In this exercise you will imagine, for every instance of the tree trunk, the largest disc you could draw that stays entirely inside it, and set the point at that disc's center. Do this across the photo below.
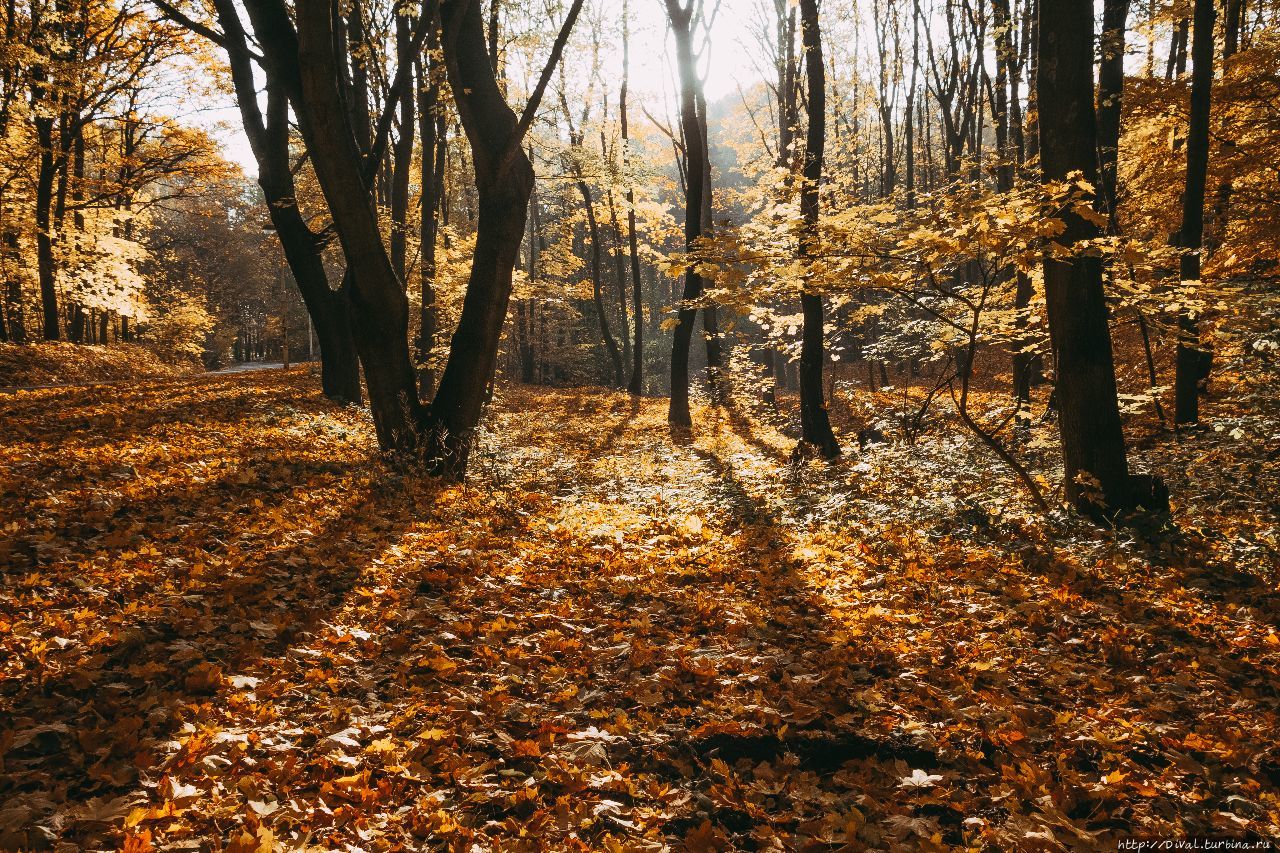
(1093, 449)
(504, 183)
(620, 276)
(1192, 363)
(269, 140)
(710, 311)
(44, 227)
(432, 129)
(636, 385)
(681, 21)
(1110, 90)
(815, 424)
(380, 310)
(15, 322)
(1234, 15)
(76, 327)
(402, 153)
(610, 344)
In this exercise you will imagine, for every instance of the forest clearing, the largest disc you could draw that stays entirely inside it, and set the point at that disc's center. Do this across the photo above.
(639, 425)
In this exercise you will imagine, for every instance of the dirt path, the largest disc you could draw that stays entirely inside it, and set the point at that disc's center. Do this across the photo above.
(232, 622)
(249, 367)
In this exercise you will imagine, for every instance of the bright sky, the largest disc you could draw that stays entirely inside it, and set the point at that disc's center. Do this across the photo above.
(733, 59)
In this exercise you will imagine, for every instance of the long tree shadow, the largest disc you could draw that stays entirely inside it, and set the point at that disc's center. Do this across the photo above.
(87, 725)
(742, 424)
(127, 610)
(837, 729)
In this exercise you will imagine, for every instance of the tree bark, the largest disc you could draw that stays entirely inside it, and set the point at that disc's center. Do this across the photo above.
(380, 315)
(432, 130)
(402, 152)
(681, 23)
(1191, 365)
(636, 385)
(269, 141)
(15, 322)
(1093, 449)
(815, 423)
(504, 182)
(1110, 90)
(710, 312)
(610, 344)
(44, 227)
(620, 277)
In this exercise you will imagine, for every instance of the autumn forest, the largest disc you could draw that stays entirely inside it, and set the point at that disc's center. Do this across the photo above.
(639, 425)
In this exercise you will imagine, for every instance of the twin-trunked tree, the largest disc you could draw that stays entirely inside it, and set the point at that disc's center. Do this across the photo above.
(301, 56)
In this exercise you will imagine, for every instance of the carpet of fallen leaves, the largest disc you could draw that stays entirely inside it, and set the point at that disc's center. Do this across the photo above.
(225, 624)
(56, 362)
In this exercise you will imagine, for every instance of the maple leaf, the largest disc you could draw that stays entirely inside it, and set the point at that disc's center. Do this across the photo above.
(919, 779)
(705, 838)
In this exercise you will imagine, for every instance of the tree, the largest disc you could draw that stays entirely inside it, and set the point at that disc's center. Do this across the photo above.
(574, 161)
(504, 183)
(815, 423)
(1110, 91)
(1093, 448)
(380, 310)
(1192, 358)
(433, 132)
(636, 385)
(268, 137)
(306, 58)
(681, 19)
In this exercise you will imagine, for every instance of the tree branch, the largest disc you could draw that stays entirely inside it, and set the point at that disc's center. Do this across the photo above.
(531, 108)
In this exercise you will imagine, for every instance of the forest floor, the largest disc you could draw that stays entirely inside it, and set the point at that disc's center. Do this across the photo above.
(55, 363)
(226, 624)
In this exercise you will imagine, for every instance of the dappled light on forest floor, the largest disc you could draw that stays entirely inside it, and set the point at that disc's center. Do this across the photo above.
(227, 624)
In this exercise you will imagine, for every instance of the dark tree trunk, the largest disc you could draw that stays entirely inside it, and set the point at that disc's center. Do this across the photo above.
(339, 362)
(1191, 366)
(815, 424)
(681, 22)
(710, 312)
(45, 175)
(1115, 14)
(432, 130)
(402, 152)
(75, 328)
(493, 34)
(610, 344)
(504, 182)
(1093, 449)
(380, 310)
(636, 385)
(1234, 15)
(269, 140)
(529, 349)
(620, 276)
(15, 322)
